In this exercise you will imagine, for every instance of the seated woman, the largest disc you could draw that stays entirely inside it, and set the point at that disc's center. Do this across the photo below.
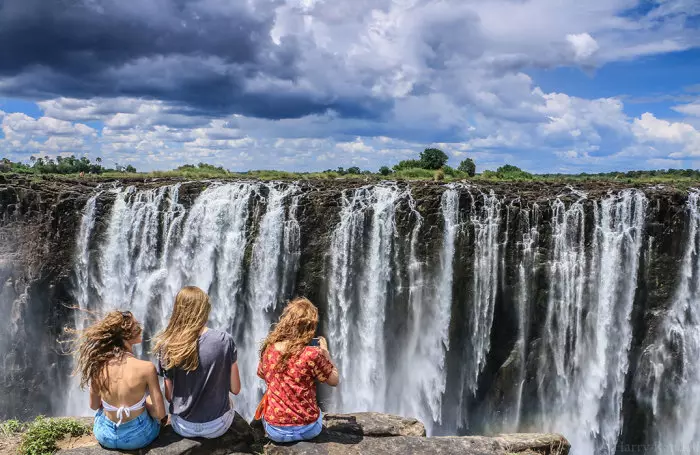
(127, 418)
(290, 366)
(200, 368)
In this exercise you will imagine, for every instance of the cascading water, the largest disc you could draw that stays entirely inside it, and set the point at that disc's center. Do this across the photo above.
(515, 314)
(273, 259)
(588, 321)
(486, 222)
(153, 246)
(673, 359)
(529, 220)
(430, 298)
(357, 298)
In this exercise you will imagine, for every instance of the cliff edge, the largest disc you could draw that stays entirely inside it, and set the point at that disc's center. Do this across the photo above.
(346, 434)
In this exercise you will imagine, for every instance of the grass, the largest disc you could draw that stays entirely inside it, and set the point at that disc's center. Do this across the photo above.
(41, 436)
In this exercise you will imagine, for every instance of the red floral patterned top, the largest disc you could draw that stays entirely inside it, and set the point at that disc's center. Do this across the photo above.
(291, 392)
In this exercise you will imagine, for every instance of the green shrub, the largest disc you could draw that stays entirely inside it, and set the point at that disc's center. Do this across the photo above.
(43, 434)
(385, 170)
(414, 173)
(408, 164)
(10, 427)
(507, 172)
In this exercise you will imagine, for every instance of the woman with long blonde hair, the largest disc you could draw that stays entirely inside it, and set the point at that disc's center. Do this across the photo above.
(200, 368)
(291, 360)
(120, 384)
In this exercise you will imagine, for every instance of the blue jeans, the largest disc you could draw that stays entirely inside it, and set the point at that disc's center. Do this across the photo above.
(131, 435)
(297, 433)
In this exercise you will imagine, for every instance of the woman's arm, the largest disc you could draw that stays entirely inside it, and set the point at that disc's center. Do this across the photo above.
(95, 400)
(334, 377)
(154, 403)
(235, 379)
(168, 383)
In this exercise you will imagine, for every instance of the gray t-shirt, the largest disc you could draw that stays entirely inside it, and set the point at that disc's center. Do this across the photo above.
(202, 395)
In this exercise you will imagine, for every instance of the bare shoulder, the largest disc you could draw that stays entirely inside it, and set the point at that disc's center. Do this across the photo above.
(144, 366)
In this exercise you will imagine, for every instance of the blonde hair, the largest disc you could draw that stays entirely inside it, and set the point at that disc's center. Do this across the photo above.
(177, 344)
(101, 343)
(296, 326)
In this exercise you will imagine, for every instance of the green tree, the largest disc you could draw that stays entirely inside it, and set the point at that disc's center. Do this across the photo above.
(467, 166)
(433, 158)
(130, 169)
(385, 170)
(354, 170)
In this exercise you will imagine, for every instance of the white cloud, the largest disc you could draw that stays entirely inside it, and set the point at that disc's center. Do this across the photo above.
(683, 136)
(689, 109)
(583, 44)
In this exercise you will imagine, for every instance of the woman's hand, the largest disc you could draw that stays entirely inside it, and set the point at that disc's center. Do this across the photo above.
(323, 344)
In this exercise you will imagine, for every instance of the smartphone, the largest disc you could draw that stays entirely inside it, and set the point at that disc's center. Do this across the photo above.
(314, 342)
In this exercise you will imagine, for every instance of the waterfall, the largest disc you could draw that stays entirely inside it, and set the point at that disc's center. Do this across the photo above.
(529, 219)
(467, 308)
(273, 260)
(73, 403)
(588, 325)
(130, 266)
(486, 221)
(154, 246)
(430, 299)
(673, 359)
(357, 301)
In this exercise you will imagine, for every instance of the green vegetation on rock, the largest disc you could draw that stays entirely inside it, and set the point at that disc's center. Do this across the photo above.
(426, 167)
(10, 427)
(41, 435)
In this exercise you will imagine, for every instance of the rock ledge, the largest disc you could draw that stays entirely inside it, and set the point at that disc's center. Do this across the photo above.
(349, 434)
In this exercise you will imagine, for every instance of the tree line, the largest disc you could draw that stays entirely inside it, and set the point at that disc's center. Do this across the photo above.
(61, 165)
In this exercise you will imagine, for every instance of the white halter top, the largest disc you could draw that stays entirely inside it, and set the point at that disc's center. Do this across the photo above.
(124, 410)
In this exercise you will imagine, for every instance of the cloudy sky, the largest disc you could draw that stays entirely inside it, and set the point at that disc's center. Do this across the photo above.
(548, 85)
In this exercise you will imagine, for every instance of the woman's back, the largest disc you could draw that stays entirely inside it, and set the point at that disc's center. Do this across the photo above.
(202, 395)
(127, 384)
(291, 389)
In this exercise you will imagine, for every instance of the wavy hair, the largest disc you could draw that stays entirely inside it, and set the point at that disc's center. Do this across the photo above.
(177, 344)
(296, 326)
(101, 343)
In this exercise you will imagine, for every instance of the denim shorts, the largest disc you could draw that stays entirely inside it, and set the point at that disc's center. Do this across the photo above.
(294, 433)
(134, 434)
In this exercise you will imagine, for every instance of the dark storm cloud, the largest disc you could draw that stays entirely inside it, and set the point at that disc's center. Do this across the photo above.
(201, 54)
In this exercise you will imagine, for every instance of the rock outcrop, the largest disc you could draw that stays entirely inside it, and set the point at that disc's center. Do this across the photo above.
(349, 434)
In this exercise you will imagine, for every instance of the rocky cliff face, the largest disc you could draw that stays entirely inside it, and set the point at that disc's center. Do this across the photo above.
(495, 308)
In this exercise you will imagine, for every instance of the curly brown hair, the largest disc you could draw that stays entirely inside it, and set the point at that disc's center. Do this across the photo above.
(296, 326)
(177, 344)
(101, 343)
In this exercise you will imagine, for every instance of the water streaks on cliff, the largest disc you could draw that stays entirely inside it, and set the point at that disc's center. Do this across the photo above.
(472, 308)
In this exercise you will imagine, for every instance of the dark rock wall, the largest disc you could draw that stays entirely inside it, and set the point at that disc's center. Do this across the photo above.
(38, 228)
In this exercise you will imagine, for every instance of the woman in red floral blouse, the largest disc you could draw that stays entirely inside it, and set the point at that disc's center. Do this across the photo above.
(290, 368)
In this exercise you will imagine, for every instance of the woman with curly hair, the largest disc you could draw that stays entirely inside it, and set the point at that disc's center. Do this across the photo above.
(200, 368)
(290, 367)
(120, 384)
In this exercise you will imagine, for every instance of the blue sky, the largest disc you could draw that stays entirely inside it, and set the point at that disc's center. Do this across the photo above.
(548, 85)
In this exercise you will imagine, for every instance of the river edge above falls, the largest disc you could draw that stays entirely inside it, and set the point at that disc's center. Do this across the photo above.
(526, 268)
